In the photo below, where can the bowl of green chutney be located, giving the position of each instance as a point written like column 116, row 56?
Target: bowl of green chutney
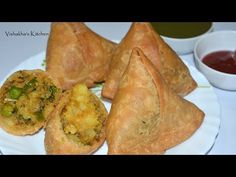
column 182, row 36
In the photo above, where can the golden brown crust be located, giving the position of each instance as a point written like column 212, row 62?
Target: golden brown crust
column 20, row 130
column 173, row 70
column 146, row 116
column 76, row 54
column 57, row 142
column 171, row 67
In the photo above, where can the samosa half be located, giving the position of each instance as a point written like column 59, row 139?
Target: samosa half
column 147, row 117
column 27, row 99
column 77, row 124
column 170, row 66
column 76, row 54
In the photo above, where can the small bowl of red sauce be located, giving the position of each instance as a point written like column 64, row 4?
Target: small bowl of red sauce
column 215, row 57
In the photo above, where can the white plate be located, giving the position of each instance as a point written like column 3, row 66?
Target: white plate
column 200, row 143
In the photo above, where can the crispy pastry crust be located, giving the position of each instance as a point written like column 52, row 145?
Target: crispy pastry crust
column 76, row 54
column 170, row 66
column 57, row 142
column 146, row 116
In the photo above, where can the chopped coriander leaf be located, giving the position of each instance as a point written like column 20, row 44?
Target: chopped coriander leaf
column 39, row 115
column 52, row 90
column 30, row 84
column 43, row 63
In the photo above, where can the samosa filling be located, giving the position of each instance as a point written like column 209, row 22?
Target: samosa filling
column 82, row 118
column 24, row 98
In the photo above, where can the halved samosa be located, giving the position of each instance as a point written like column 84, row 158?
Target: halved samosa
column 77, row 124
column 27, row 98
column 76, row 54
column 147, row 117
column 170, row 66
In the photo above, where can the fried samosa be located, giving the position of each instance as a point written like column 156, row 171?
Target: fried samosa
column 76, row 54
column 27, row 98
column 170, row 66
column 77, row 124
column 147, row 117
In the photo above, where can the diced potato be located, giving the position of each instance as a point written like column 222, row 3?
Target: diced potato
column 81, row 115
column 70, row 129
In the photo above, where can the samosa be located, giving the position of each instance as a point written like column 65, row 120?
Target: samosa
column 77, row 124
column 147, row 117
column 76, row 54
column 170, row 66
column 27, row 99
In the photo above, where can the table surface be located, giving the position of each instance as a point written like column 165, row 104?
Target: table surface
column 14, row 49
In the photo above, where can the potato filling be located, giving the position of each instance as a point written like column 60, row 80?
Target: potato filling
column 25, row 98
column 83, row 117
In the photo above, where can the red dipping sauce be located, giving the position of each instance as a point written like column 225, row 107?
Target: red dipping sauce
column 224, row 61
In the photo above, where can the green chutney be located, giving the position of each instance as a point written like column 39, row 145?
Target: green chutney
column 181, row 29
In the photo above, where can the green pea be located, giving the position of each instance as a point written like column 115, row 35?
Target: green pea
column 7, row 110
column 15, row 92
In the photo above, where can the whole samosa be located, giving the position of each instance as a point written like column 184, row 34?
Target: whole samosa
column 170, row 66
column 147, row 117
column 76, row 54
